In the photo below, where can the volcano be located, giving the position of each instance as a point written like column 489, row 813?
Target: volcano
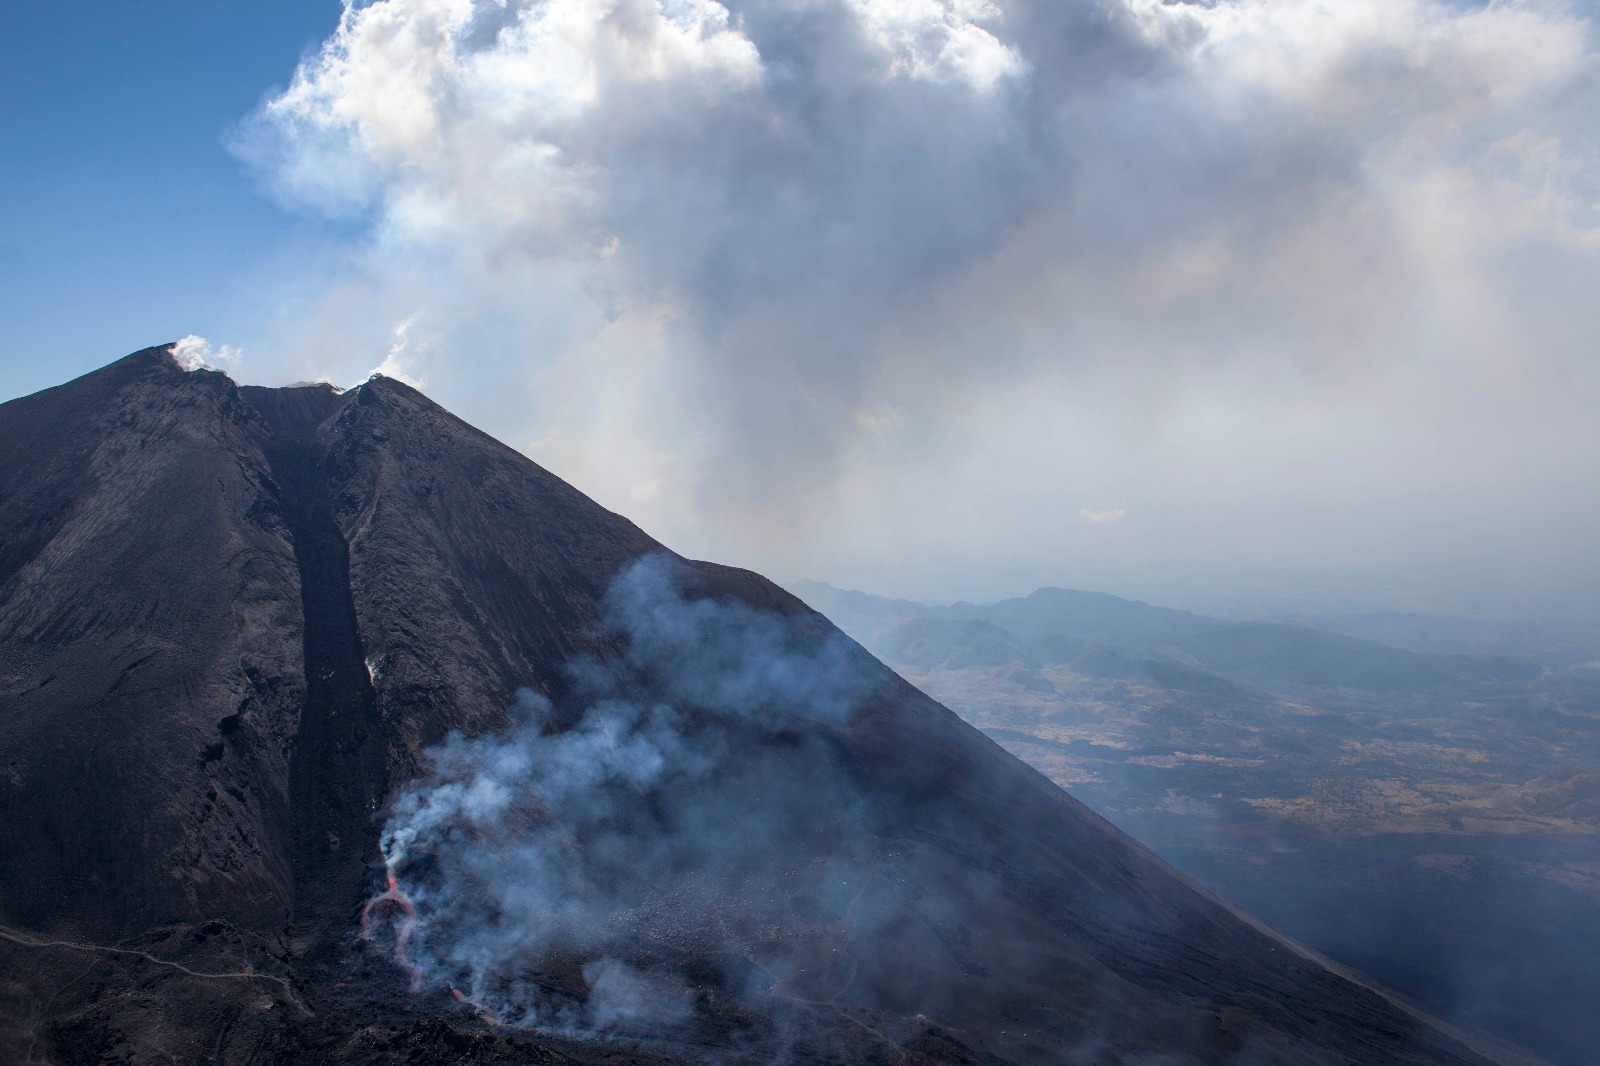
column 258, row 649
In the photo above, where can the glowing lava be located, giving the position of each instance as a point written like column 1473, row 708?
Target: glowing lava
column 483, row 1012
column 392, row 905
column 395, row 907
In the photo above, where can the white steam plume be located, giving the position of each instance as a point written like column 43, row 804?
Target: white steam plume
column 194, row 353
column 688, row 243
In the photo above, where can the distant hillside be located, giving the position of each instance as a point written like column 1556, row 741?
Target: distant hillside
column 1561, row 641
column 1105, row 635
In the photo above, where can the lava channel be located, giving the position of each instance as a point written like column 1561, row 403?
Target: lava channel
column 392, row 905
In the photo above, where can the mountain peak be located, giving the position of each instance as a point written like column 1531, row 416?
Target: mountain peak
column 243, row 631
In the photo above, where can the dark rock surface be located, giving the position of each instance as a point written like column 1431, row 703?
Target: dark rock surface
column 232, row 620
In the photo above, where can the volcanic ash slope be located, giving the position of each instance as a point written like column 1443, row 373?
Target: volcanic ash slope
column 332, row 730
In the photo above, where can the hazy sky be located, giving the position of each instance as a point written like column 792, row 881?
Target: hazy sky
column 935, row 297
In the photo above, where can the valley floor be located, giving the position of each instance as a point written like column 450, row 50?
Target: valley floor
column 1449, row 848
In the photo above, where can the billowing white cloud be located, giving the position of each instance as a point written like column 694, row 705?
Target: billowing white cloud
column 751, row 269
column 1100, row 516
column 195, row 352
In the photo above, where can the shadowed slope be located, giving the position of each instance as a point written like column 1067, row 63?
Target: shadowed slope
column 151, row 659
column 338, row 773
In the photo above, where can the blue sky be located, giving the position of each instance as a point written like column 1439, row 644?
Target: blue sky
column 124, row 220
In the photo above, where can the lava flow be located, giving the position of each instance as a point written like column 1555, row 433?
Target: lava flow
column 484, row 1013
column 396, row 907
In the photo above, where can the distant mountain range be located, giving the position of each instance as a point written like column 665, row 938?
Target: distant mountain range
column 1105, row 635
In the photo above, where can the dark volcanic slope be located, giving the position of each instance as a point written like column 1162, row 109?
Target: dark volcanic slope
column 233, row 619
column 151, row 664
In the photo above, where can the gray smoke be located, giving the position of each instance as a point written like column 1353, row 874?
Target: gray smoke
column 1281, row 285
column 556, row 867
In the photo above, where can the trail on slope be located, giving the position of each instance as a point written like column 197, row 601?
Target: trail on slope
column 16, row 937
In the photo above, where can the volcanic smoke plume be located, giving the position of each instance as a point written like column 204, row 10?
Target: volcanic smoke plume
column 694, row 774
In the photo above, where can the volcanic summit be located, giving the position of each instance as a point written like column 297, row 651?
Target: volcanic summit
column 334, row 731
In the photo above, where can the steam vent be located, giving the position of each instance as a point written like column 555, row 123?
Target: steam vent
column 334, row 731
